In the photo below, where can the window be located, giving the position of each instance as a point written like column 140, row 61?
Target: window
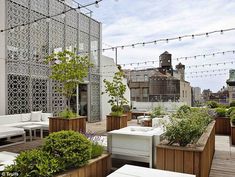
column 145, row 92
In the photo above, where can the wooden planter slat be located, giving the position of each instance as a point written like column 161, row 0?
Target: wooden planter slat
column 232, row 133
column 192, row 160
column 99, row 167
column 57, row 124
column 115, row 123
column 222, row 126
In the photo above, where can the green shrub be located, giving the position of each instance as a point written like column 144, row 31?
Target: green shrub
column 184, row 109
column 221, row 112
column 34, row 163
column 212, row 104
column 232, row 118
column 68, row 114
column 230, row 110
column 232, row 104
column 157, row 111
column 96, row 150
column 70, row 148
column 188, row 127
column 117, row 110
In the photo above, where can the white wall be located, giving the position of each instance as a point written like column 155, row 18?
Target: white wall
column 148, row 106
column 2, row 59
column 108, row 73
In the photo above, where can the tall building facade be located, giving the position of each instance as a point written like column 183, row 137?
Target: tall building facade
column 24, row 82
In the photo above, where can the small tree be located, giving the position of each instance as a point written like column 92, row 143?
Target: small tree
column 116, row 90
column 68, row 69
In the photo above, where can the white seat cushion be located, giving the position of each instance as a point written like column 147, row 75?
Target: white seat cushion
column 36, row 116
column 19, row 124
column 8, row 119
column 10, row 131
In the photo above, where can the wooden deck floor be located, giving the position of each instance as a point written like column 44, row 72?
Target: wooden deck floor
column 223, row 164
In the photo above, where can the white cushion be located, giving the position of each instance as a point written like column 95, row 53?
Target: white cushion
column 10, row 131
column 25, row 117
column 8, row 119
column 36, row 116
column 45, row 116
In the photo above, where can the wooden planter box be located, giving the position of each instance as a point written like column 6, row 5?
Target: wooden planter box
column 99, row 167
column 222, row 126
column 115, row 123
column 128, row 114
column 57, row 124
column 232, row 133
column 147, row 123
column 192, row 160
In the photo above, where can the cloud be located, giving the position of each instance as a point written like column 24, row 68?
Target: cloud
column 129, row 21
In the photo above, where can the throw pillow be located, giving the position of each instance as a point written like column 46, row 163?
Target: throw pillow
column 36, row 116
column 25, row 117
column 45, row 116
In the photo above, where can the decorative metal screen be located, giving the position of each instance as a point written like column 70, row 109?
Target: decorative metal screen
column 29, row 87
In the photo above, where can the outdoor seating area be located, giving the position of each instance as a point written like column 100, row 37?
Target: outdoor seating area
column 18, row 124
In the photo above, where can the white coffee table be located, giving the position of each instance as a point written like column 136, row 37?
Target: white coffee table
column 135, row 143
column 33, row 128
column 135, row 171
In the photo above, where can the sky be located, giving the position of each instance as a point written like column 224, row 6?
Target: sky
column 131, row 21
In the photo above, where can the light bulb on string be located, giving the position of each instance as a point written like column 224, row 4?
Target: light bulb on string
column 180, row 39
column 133, row 45
column 22, row 27
column 78, row 9
column 221, row 32
column 155, row 42
column 63, row 15
column 97, row 4
column 48, row 19
column 207, row 35
column 193, row 36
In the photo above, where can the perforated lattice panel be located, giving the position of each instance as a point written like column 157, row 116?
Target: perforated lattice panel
column 29, row 87
column 18, row 94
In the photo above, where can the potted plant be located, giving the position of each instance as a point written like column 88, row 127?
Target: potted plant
column 116, row 90
column 232, row 124
column 69, row 70
column 190, row 140
column 64, row 153
column 222, row 125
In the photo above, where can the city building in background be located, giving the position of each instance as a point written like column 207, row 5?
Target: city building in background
column 162, row 84
column 196, row 96
column 24, row 82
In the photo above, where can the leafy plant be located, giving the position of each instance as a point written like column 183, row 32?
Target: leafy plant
column 232, row 118
column 70, row 148
column 232, row 104
column 34, row 163
column 230, row 110
column 67, row 113
column 157, row 111
column 187, row 128
column 96, row 150
column 212, row 104
column 184, row 109
column 221, row 112
column 116, row 90
column 69, row 70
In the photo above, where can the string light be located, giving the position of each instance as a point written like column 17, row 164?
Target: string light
column 177, row 38
column 48, row 18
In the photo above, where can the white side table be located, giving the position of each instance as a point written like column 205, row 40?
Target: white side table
column 33, row 128
column 131, row 171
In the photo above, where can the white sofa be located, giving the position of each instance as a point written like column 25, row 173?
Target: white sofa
column 11, row 125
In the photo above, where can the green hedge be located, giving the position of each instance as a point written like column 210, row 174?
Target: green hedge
column 72, row 149
column 186, row 127
column 61, row 151
column 221, row 112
